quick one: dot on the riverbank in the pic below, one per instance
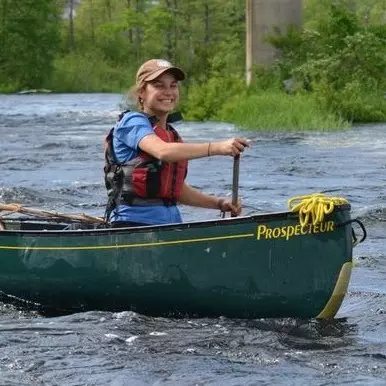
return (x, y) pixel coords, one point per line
(266, 111)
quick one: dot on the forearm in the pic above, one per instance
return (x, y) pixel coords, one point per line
(177, 151)
(194, 197)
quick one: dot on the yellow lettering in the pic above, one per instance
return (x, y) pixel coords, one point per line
(286, 232)
(261, 229)
(276, 233)
(290, 231)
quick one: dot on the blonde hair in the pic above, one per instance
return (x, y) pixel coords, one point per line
(134, 92)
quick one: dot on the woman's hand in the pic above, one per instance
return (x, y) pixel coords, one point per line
(226, 205)
(233, 147)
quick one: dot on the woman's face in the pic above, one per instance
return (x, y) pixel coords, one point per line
(160, 96)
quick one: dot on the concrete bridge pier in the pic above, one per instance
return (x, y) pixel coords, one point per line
(262, 16)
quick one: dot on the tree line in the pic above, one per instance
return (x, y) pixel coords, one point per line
(108, 39)
(338, 55)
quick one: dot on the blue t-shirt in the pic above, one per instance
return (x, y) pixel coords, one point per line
(127, 134)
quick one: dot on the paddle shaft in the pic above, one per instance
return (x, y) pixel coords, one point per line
(235, 185)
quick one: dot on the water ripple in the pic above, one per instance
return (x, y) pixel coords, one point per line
(52, 158)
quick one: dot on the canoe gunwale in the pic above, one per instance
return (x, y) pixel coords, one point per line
(255, 218)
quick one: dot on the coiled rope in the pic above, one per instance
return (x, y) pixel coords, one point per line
(313, 207)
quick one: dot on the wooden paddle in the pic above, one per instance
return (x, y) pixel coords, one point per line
(235, 185)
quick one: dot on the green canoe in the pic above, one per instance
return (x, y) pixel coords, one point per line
(265, 265)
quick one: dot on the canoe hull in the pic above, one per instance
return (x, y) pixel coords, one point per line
(250, 267)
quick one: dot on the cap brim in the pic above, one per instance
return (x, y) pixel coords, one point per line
(177, 72)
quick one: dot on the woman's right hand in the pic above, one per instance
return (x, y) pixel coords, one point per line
(233, 146)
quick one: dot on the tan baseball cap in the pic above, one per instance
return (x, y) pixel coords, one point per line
(153, 68)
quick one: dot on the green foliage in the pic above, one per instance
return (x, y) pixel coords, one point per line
(185, 32)
(342, 62)
(361, 58)
(87, 73)
(222, 80)
(228, 60)
(354, 102)
(275, 110)
(369, 12)
(29, 36)
(8, 87)
(206, 99)
(265, 78)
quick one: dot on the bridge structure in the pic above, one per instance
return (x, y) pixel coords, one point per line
(262, 17)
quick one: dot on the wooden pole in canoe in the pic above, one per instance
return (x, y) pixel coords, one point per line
(235, 185)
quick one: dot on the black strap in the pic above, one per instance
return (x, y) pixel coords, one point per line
(130, 200)
(174, 117)
(120, 116)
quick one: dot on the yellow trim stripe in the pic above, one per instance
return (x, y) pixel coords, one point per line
(336, 299)
(159, 243)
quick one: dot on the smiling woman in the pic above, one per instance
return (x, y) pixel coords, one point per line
(146, 160)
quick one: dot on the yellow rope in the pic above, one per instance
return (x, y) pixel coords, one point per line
(313, 207)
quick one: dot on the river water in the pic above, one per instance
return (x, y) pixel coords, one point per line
(51, 157)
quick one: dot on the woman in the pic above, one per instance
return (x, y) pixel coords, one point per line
(146, 160)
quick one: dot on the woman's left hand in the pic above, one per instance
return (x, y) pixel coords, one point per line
(226, 205)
